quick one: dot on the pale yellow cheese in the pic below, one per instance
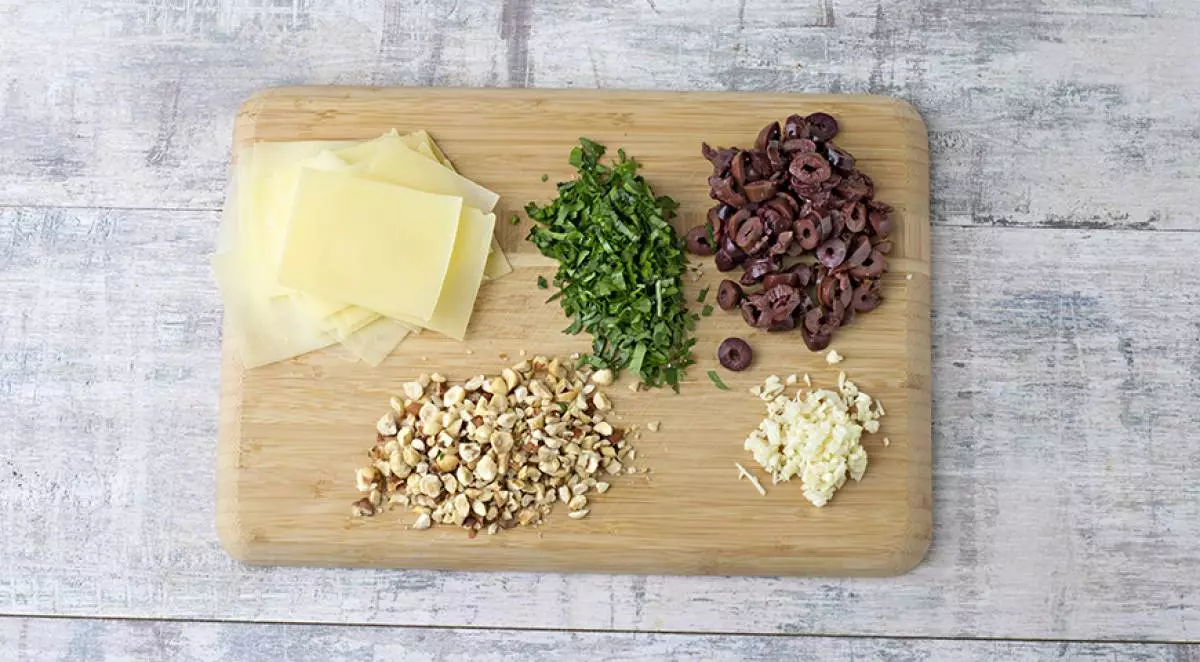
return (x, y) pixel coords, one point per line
(389, 159)
(423, 143)
(376, 341)
(265, 329)
(463, 277)
(368, 243)
(350, 319)
(265, 189)
(497, 263)
(346, 319)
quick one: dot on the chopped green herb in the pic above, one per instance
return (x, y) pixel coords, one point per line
(707, 310)
(620, 268)
(716, 380)
(712, 238)
(542, 284)
(545, 177)
(515, 220)
(703, 295)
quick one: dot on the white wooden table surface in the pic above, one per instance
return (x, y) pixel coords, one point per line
(1066, 175)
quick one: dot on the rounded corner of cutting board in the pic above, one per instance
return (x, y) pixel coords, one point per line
(234, 537)
(912, 544)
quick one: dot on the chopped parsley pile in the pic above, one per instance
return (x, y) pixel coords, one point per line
(620, 273)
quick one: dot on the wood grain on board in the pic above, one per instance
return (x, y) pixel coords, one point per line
(292, 433)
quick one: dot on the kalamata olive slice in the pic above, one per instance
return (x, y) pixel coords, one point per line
(775, 158)
(872, 267)
(700, 241)
(769, 133)
(789, 278)
(785, 324)
(730, 246)
(880, 216)
(884, 247)
(760, 167)
(804, 275)
(782, 300)
(821, 126)
(719, 158)
(837, 223)
(749, 233)
(795, 127)
(826, 292)
(757, 269)
(724, 261)
(782, 243)
(776, 224)
(739, 216)
(859, 252)
(807, 234)
(780, 206)
(855, 187)
(729, 295)
(809, 169)
(818, 340)
(714, 220)
(848, 315)
(844, 289)
(832, 253)
(789, 200)
(761, 190)
(798, 146)
(735, 354)
(738, 168)
(722, 189)
(865, 299)
(838, 157)
(855, 216)
(755, 311)
(815, 318)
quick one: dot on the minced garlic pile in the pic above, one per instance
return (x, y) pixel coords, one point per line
(815, 435)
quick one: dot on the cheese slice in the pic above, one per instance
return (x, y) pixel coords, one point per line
(497, 263)
(463, 277)
(425, 145)
(266, 185)
(389, 159)
(265, 329)
(350, 319)
(376, 341)
(368, 243)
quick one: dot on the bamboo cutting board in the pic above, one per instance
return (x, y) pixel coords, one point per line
(293, 433)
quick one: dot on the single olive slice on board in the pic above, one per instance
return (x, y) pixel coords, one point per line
(735, 354)
(729, 295)
(700, 241)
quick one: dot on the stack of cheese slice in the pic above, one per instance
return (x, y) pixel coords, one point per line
(351, 243)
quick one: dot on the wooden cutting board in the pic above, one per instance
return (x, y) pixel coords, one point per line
(293, 433)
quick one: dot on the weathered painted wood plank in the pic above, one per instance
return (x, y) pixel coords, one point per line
(1068, 113)
(66, 640)
(1066, 479)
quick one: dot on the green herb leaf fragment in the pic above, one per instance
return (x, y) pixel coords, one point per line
(707, 310)
(542, 284)
(716, 380)
(703, 295)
